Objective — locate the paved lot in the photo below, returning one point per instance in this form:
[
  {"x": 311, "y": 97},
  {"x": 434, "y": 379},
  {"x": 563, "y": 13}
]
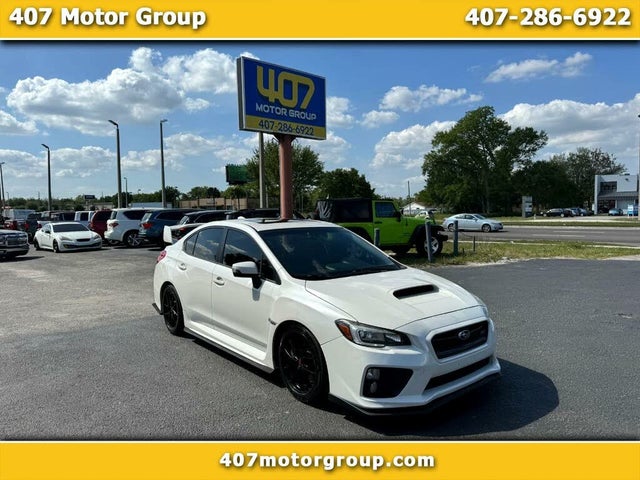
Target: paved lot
[{"x": 84, "y": 356}]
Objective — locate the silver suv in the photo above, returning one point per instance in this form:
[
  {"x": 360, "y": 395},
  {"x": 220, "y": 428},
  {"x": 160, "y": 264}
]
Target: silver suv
[{"x": 123, "y": 225}]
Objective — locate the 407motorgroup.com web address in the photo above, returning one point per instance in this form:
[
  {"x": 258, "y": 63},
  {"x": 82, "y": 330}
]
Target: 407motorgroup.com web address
[{"x": 325, "y": 462}]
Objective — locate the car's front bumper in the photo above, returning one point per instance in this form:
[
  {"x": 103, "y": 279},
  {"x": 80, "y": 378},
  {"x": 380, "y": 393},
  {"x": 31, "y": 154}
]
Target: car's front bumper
[{"x": 430, "y": 379}]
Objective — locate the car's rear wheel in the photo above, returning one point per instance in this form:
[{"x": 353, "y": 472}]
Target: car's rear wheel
[
  {"x": 302, "y": 366},
  {"x": 56, "y": 247},
  {"x": 172, "y": 310},
  {"x": 131, "y": 239},
  {"x": 486, "y": 228}
]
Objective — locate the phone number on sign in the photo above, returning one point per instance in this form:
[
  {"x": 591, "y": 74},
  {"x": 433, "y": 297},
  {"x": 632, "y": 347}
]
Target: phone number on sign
[
  {"x": 284, "y": 127},
  {"x": 553, "y": 17}
]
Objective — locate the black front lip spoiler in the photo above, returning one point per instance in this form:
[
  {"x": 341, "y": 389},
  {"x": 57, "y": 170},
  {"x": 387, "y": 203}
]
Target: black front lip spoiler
[
  {"x": 422, "y": 409},
  {"x": 157, "y": 308}
]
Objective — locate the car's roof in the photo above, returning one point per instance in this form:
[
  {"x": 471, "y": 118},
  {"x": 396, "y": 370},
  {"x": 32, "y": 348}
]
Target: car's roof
[{"x": 270, "y": 224}]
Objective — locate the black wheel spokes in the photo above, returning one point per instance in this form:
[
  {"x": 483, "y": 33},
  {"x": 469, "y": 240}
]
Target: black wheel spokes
[
  {"x": 171, "y": 307},
  {"x": 299, "y": 364}
]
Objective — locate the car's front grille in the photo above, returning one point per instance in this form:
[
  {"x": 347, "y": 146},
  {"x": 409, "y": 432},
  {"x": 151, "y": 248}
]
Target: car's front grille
[{"x": 460, "y": 340}]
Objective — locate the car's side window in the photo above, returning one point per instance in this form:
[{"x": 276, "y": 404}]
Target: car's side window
[
  {"x": 240, "y": 247},
  {"x": 385, "y": 210},
  {"x": 207, "y": 244}
]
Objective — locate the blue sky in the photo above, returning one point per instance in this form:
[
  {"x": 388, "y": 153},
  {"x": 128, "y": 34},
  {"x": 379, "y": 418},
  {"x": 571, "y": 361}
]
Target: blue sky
[{"x": 385, "y": 101}]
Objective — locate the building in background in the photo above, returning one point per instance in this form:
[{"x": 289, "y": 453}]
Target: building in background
[{"x": 615, "y": 191}]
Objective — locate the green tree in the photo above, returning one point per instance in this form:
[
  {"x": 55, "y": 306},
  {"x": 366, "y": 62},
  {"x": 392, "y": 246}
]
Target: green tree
[
  {"x": 582, "y": 166},
  {"x": 344, "y": 182},
  {"x": 470, "y": 166},
  {"x": 203, "y": 192},
  {"x": 547, "y": 182},
  {"x": 307, "y": 171}
]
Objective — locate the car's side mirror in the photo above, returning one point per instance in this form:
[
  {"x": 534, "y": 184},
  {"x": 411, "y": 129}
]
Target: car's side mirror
[{"x": 247, "y": 270}]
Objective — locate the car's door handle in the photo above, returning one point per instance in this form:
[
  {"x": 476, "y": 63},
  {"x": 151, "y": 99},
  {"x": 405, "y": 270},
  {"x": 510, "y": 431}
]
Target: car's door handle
[
  {"x": 182, "y": 266},
  {"x": 218, "y": 281}
]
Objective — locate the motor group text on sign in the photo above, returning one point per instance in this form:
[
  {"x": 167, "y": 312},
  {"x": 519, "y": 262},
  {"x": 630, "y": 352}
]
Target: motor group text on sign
[{"x": 144, "y": 16}]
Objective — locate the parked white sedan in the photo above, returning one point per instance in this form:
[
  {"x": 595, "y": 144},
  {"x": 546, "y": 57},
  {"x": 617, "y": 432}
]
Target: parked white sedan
[
  {"x": 334, "y": 314},
  {"x": 472, "y": 221},
  {"x": 66, "y": 236}
]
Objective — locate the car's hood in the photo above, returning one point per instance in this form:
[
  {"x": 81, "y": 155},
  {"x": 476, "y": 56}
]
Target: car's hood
[
  {"x": 393, "y": 299},
  {"x": 75, "y": 235}
]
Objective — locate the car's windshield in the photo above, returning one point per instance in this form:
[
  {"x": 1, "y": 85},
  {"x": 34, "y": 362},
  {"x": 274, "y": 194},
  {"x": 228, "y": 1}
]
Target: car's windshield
[
  {"x": 69, "y": 227},
  {"x": 322, "y": 253}
]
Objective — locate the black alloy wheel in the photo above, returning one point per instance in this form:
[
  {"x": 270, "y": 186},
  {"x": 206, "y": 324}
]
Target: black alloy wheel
[
  {"x": 172, "y": 311},
  {"x": 302, "y": 365}
]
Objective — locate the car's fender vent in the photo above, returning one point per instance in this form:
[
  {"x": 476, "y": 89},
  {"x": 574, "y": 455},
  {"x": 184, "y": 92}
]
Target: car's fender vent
[{"x": 414, "y": 291}]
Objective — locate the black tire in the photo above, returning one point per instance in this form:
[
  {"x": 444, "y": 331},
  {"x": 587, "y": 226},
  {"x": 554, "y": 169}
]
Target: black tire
[
  {"x": 302, "y": 366},
  {"x": 172, "y": 311},
  {"x": 451, "y": 227},
  {"x": 56, "y": 247},
  {"x": 421, "y": 248},
  {"x": 131, "y": 239},
  {"x": 486, "y": 228},
  {"x": 36, "y": 245}
]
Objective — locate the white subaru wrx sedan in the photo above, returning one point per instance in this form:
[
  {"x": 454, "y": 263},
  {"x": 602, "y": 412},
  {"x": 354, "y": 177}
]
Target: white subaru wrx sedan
[{"x": 335, "y": 315}]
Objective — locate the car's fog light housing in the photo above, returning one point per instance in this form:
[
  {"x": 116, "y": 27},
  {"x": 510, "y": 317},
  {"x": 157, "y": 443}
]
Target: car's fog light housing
[{"x": 384, "y": 382}]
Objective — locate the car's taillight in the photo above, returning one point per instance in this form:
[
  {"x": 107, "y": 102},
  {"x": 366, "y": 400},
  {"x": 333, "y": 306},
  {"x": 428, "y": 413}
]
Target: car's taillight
[
  {"x": 146, "y": 225},
  {"x": 163, "y": 254}
]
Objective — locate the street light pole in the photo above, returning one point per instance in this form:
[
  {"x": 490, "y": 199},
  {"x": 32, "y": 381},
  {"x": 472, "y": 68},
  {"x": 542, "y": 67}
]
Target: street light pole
[
  {"x": 2, "y": 188},
  {"x": 164, "y": 194},
  {"x": 126, "y": 192},
  {"x": 639, "y": 176},
  {"x": 118, "y": 155},
  {"x": 48, "y": 176}
]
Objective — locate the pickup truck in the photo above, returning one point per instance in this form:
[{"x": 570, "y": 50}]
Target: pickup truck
[{"x": 398, "y": 233}]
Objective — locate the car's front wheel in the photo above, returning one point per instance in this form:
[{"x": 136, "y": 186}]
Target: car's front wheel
[
  {"x": 56, "y": 247},
  {"x": 451, "y": 227},
  {"x": 302, "y": 366},
  {"x": 172, "y": 310},
  {"x": 486, "y": 228},
  {"x": 36, "y": 245}
]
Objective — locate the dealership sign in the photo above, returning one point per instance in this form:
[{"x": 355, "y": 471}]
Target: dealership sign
[{"x": 279, "y": 100}]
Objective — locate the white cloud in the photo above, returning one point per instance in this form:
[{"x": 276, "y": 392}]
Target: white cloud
[
  {"x": 142, "y": 93},
  {"x": 9, "y": 125},
  {"x": 404, "y": 99},
  {"x": 406, "y": 148},
  {"x": 537, "y": 68},
  {"x": 332, "y": 151},
  {"x": 570, "y": 125},
  {"x": 376, "y": 118},
  {"x": 338, "y": 115}
]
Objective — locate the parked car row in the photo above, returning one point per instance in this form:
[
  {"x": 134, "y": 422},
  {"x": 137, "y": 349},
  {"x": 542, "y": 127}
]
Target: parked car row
[{"x": 567, "y": 212}]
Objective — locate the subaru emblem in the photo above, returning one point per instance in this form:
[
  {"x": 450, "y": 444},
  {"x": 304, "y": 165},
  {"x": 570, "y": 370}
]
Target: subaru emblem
[{"x": 464, "y": 335}]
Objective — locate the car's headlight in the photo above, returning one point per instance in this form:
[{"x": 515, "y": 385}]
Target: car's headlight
[
  {"x": 65, "y": 239},
  {"x": 369, "y": 336}
]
